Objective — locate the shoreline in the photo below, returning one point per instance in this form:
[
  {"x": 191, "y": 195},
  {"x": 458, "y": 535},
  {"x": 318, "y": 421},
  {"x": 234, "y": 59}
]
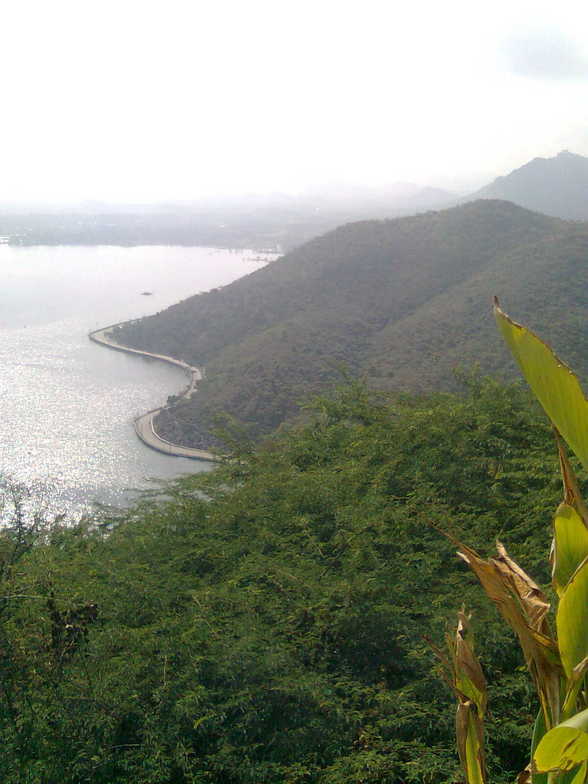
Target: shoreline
[{"x": 143, "y": 424}]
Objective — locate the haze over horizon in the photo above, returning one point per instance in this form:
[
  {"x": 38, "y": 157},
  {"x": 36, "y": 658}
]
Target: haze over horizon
[{"x": 137, "y": 102}]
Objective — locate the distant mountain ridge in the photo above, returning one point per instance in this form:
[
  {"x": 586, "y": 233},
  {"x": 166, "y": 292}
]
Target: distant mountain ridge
[
  {"x": 403, "y": 301},
  {"x": 271, "y": 220},
  {"x": 555, "y": 186}
]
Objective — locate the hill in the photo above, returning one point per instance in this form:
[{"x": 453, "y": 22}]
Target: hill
[
  {"x": 554, "y": 186},
  {"x": 404, "y": 301}
]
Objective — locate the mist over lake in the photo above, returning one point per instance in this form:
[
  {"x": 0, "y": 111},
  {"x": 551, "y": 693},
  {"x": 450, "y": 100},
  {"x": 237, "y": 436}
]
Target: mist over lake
[{"x": 67, "y": 403}]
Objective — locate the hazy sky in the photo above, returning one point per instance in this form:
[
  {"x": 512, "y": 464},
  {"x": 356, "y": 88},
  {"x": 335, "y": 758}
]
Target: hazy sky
[{"x": 141, "y": 100}]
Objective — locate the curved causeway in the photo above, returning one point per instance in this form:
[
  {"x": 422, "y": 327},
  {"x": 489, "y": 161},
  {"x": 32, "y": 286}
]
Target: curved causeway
[{"x": 144, "y": 423}]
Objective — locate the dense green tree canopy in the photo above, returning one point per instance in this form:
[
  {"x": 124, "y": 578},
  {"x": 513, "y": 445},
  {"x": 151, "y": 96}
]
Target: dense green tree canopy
[{"x": 268, "y": 622}]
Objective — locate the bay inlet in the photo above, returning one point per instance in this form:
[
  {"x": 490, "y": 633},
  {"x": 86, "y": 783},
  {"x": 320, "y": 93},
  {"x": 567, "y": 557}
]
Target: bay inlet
[{"x": 67, "y": 404}]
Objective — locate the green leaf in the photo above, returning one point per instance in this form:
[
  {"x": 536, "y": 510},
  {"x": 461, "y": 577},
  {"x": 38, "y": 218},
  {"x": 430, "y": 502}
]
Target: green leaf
[
  {"x": 556, "y": 386},
  {"x": 582, "y": 774},
  {"x": 465, "y": 676},
  {"x": 470, "y": 743},
  {"x": 570, "y": 545},
  {"x": 538, "y": 733},
  {"x": 572, "y": 620},
  {"x": 565, "y": 746},
  {"x": 469, "y": 678}
]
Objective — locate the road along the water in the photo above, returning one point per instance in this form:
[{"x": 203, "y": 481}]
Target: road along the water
[{"x": 144, "y": 424}]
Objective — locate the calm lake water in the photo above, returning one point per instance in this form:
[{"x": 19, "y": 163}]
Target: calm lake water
[{"x": 66, "y": 404}]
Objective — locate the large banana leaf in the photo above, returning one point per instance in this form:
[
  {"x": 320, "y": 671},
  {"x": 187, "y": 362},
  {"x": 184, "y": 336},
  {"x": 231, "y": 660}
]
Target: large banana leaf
[
  {"x": 565, "y": 746},
  {"x": 572, "y": 621},
  {"x": 556, "y": 387},
  {"x": 570, "y": 545}
]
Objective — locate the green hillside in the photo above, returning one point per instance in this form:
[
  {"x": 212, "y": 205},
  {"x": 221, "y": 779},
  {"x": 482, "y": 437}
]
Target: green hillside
[
  {"x": 453, "y": 328},
  {"x": 267, "y": 623},
  {"x": 404, "y": 301},
  {"x": 554, "y": 186}
]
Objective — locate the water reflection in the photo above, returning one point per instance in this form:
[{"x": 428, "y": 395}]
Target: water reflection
[{"x": 67, "y": 404}]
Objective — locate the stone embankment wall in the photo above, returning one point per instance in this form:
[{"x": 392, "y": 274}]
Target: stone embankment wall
[{"x": 144, "y": 424}]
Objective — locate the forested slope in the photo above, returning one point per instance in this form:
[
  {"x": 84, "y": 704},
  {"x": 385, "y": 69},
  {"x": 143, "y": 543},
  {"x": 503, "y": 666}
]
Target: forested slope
[
  {"x": 554, "y": 186},
  {"x": 404, "y": 300},
  {"x": 453, "y": 328},
  {"x": 267, "y": 622}
]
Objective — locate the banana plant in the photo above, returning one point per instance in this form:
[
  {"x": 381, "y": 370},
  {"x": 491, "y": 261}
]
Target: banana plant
[
  {"x": 464, "y": 676},
  {"x": 557, "y": 658}
]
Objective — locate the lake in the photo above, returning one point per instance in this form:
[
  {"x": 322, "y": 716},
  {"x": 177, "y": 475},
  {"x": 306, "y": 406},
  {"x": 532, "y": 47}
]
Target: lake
[{"x": 67, "y": 405}]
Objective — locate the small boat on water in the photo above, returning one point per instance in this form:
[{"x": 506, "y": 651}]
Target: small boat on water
[{"x": 147, "y": 293}]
